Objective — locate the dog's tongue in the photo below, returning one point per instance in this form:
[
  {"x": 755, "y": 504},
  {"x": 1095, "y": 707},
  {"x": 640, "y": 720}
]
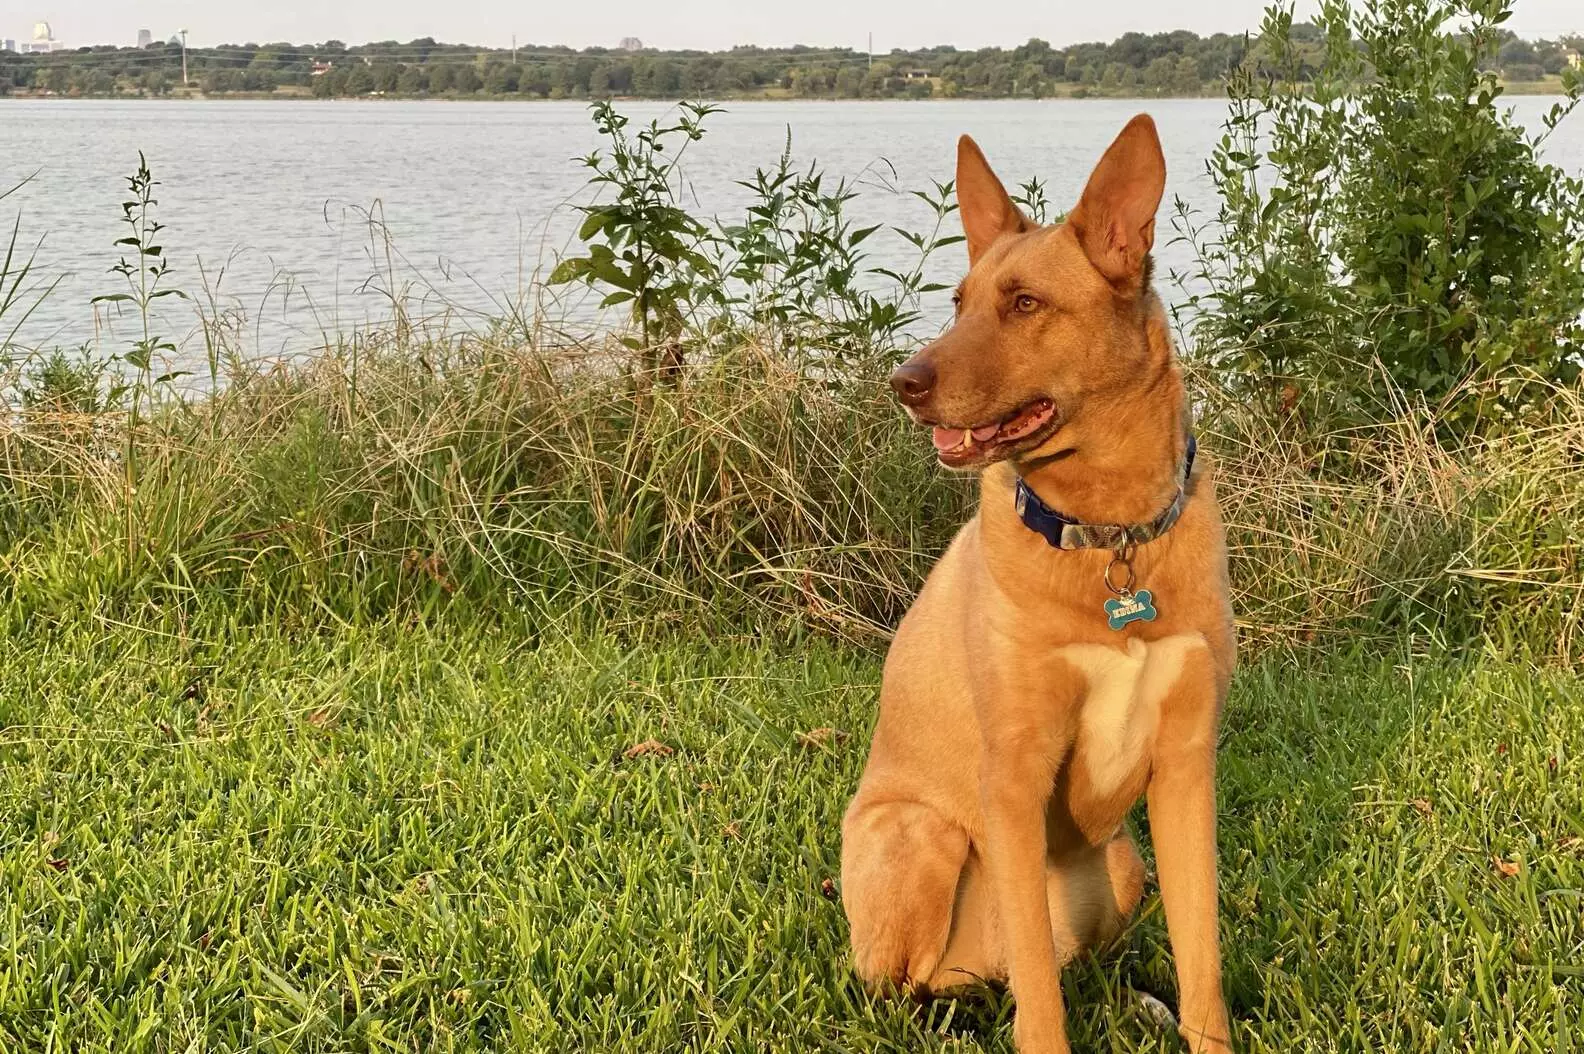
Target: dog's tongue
[
  {"x": 985, "y": 433},
  {"x": 948, "y": 438}
]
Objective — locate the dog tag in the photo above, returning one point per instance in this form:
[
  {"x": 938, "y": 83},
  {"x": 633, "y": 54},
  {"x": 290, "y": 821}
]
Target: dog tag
[{"x": 1134, "y": 607}]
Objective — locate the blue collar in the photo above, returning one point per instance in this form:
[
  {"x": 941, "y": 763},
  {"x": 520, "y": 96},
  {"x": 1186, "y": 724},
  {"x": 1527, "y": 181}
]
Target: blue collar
[{"x": 1063, "y": 532}]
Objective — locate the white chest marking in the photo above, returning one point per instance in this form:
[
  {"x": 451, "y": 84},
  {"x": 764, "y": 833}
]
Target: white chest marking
[{"x": 1117, "y": 725}]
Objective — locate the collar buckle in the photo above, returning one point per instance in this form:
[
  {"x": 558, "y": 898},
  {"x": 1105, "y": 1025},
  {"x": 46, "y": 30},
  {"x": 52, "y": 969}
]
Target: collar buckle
[{"x": 1063, "y": 532}]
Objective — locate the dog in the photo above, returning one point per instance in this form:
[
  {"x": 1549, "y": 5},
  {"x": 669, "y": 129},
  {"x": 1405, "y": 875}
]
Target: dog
[{"x": 1071, "y": 650}]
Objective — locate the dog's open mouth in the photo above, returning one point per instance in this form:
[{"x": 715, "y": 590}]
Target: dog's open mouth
[{"x": 962, "y": 446}]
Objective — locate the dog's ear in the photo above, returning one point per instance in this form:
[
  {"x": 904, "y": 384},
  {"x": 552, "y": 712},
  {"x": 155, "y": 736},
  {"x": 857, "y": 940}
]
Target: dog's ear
[
  {"x": 987, "y": 211},
  {"x": 1115, "y": 218}
]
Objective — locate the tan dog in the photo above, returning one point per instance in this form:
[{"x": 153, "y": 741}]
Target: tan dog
[{"x": 1017, "y": 726}]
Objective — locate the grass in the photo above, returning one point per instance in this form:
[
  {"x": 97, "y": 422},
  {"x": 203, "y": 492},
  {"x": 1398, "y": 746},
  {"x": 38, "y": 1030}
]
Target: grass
[
  {"x": 314, "y": 738},
  {"x": 425, "y": 837},
  {"x": 490, "y": 472}
]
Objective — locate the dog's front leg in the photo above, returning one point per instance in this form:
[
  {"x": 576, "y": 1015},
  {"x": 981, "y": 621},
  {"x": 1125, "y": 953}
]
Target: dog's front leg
[
  {"x": 1182, "y": 814},
  {"x": 1023, "y": 746}
]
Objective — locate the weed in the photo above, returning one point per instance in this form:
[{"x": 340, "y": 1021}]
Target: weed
[{"x": 648, "y": 249}]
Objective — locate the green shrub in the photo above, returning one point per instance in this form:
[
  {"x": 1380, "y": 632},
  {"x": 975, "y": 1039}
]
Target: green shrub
[
  {"x": 1386, "y": 229},
  {"x": 644, "y": 247},
  {"x": 795, "y": 267},
  {"x": 64, "y": 384}
]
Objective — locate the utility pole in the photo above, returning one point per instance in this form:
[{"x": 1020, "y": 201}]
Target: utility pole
[
  {"x": 871, "y": 51},
  {"x": 514, "y": 49},
  {"x": 184, "y": 58}
]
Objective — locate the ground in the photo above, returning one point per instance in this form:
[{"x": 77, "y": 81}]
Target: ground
[{"x": 438, "y": 838}]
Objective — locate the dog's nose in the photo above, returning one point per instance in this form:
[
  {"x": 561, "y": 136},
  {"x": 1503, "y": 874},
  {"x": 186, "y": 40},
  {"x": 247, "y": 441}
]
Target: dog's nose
[{"x": 913, "y": 382}]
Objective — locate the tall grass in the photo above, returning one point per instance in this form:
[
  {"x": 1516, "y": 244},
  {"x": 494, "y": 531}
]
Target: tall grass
[
  {"x": 475, "y": 472},
  {"x": 754, "y": 496},
  {"x": 1379, "y": 529}
]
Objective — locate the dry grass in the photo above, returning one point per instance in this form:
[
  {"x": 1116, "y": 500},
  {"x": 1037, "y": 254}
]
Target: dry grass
[
  {"x": 425, "y": 474},
  {"x": 1387, "y": 526}
]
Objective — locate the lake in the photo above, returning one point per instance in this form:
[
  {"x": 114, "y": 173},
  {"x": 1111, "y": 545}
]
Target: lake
[{"x": 267, "y": 203}]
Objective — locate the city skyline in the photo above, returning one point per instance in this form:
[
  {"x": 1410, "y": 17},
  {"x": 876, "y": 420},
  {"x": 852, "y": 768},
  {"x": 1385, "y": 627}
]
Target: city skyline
[
  {"x": 40, "y": 39},
  {"x": 702, "y": 24}
]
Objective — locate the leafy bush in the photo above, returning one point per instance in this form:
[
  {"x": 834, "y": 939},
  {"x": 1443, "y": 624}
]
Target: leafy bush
[
  {"x": 648, "y": 249},
  {"x": 797, "y": 267},
  {"x": 795, "y": 270},
  {"x": 1389, "y": 211},
  {"x": 62, "y": 384}
]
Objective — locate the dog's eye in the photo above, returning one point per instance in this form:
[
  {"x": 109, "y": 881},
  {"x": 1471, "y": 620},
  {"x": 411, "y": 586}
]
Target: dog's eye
[
  {"x": 957, "y": 302},
  {"x": 1025, "y": 304}
]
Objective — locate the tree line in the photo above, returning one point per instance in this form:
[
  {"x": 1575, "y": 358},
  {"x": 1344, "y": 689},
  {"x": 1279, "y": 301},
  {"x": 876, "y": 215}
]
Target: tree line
[{"x": 1174, "y": 63}]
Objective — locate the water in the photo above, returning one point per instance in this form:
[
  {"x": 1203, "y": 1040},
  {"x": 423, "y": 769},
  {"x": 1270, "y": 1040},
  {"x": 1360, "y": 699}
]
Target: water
[{"x": 270, "y": 200}]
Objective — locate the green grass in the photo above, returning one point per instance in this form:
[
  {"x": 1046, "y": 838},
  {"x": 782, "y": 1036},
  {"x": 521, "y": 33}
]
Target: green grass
[{"x": 426, "y": 838}]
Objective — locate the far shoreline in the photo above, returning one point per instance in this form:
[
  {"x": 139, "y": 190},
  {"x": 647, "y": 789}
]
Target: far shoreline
[{"x": 1523, "y": 89}]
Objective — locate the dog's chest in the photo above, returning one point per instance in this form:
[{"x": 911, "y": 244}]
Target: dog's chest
[{"x": 1121, "y": 707}]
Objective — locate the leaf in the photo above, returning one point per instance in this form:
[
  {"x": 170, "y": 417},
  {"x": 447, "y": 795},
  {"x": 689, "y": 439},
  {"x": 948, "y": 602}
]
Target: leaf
[
  {"x": 648, "y": 748},
  {"x": 570, "y": 270},
  {"x": 607, "y": 271},
  {"x": 859, "y": 236},
  {"x": 598, "y": 220},
  {"x": 1157, "y": 1013},
  {"x": 1507, "y": 868},
  {"x": 819, "y": 738}
]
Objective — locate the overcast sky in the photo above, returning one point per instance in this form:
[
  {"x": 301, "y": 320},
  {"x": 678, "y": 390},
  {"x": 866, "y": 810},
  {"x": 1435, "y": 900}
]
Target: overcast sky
[{"x": 712, "y": 24}]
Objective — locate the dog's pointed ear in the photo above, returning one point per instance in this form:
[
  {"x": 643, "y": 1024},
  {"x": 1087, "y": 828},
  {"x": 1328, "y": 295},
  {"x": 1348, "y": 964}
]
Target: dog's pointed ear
[
  {"x": 987, "y": 210},
  {"x": 1115, "y": 218}
]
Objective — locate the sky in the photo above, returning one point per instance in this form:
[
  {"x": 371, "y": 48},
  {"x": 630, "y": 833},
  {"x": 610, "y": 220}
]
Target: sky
[{"x": 708, "y": 24}]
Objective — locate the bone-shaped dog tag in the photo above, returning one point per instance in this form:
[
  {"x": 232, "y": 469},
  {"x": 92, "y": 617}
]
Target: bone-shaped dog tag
[{"x": 1132, "y": 607}]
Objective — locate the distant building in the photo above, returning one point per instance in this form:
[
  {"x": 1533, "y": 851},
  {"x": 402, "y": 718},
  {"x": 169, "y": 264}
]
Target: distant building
[
  {"x": 145, "y": 38},
  {"x": 631, "y": 44},
  {"x": 1575, "y": 60},
  {"x": 8, "y": 45},
  {"x": 321, "y": 68},
  {"x": 916, "y": 75},
  {"x": 43, "y": 41}
]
